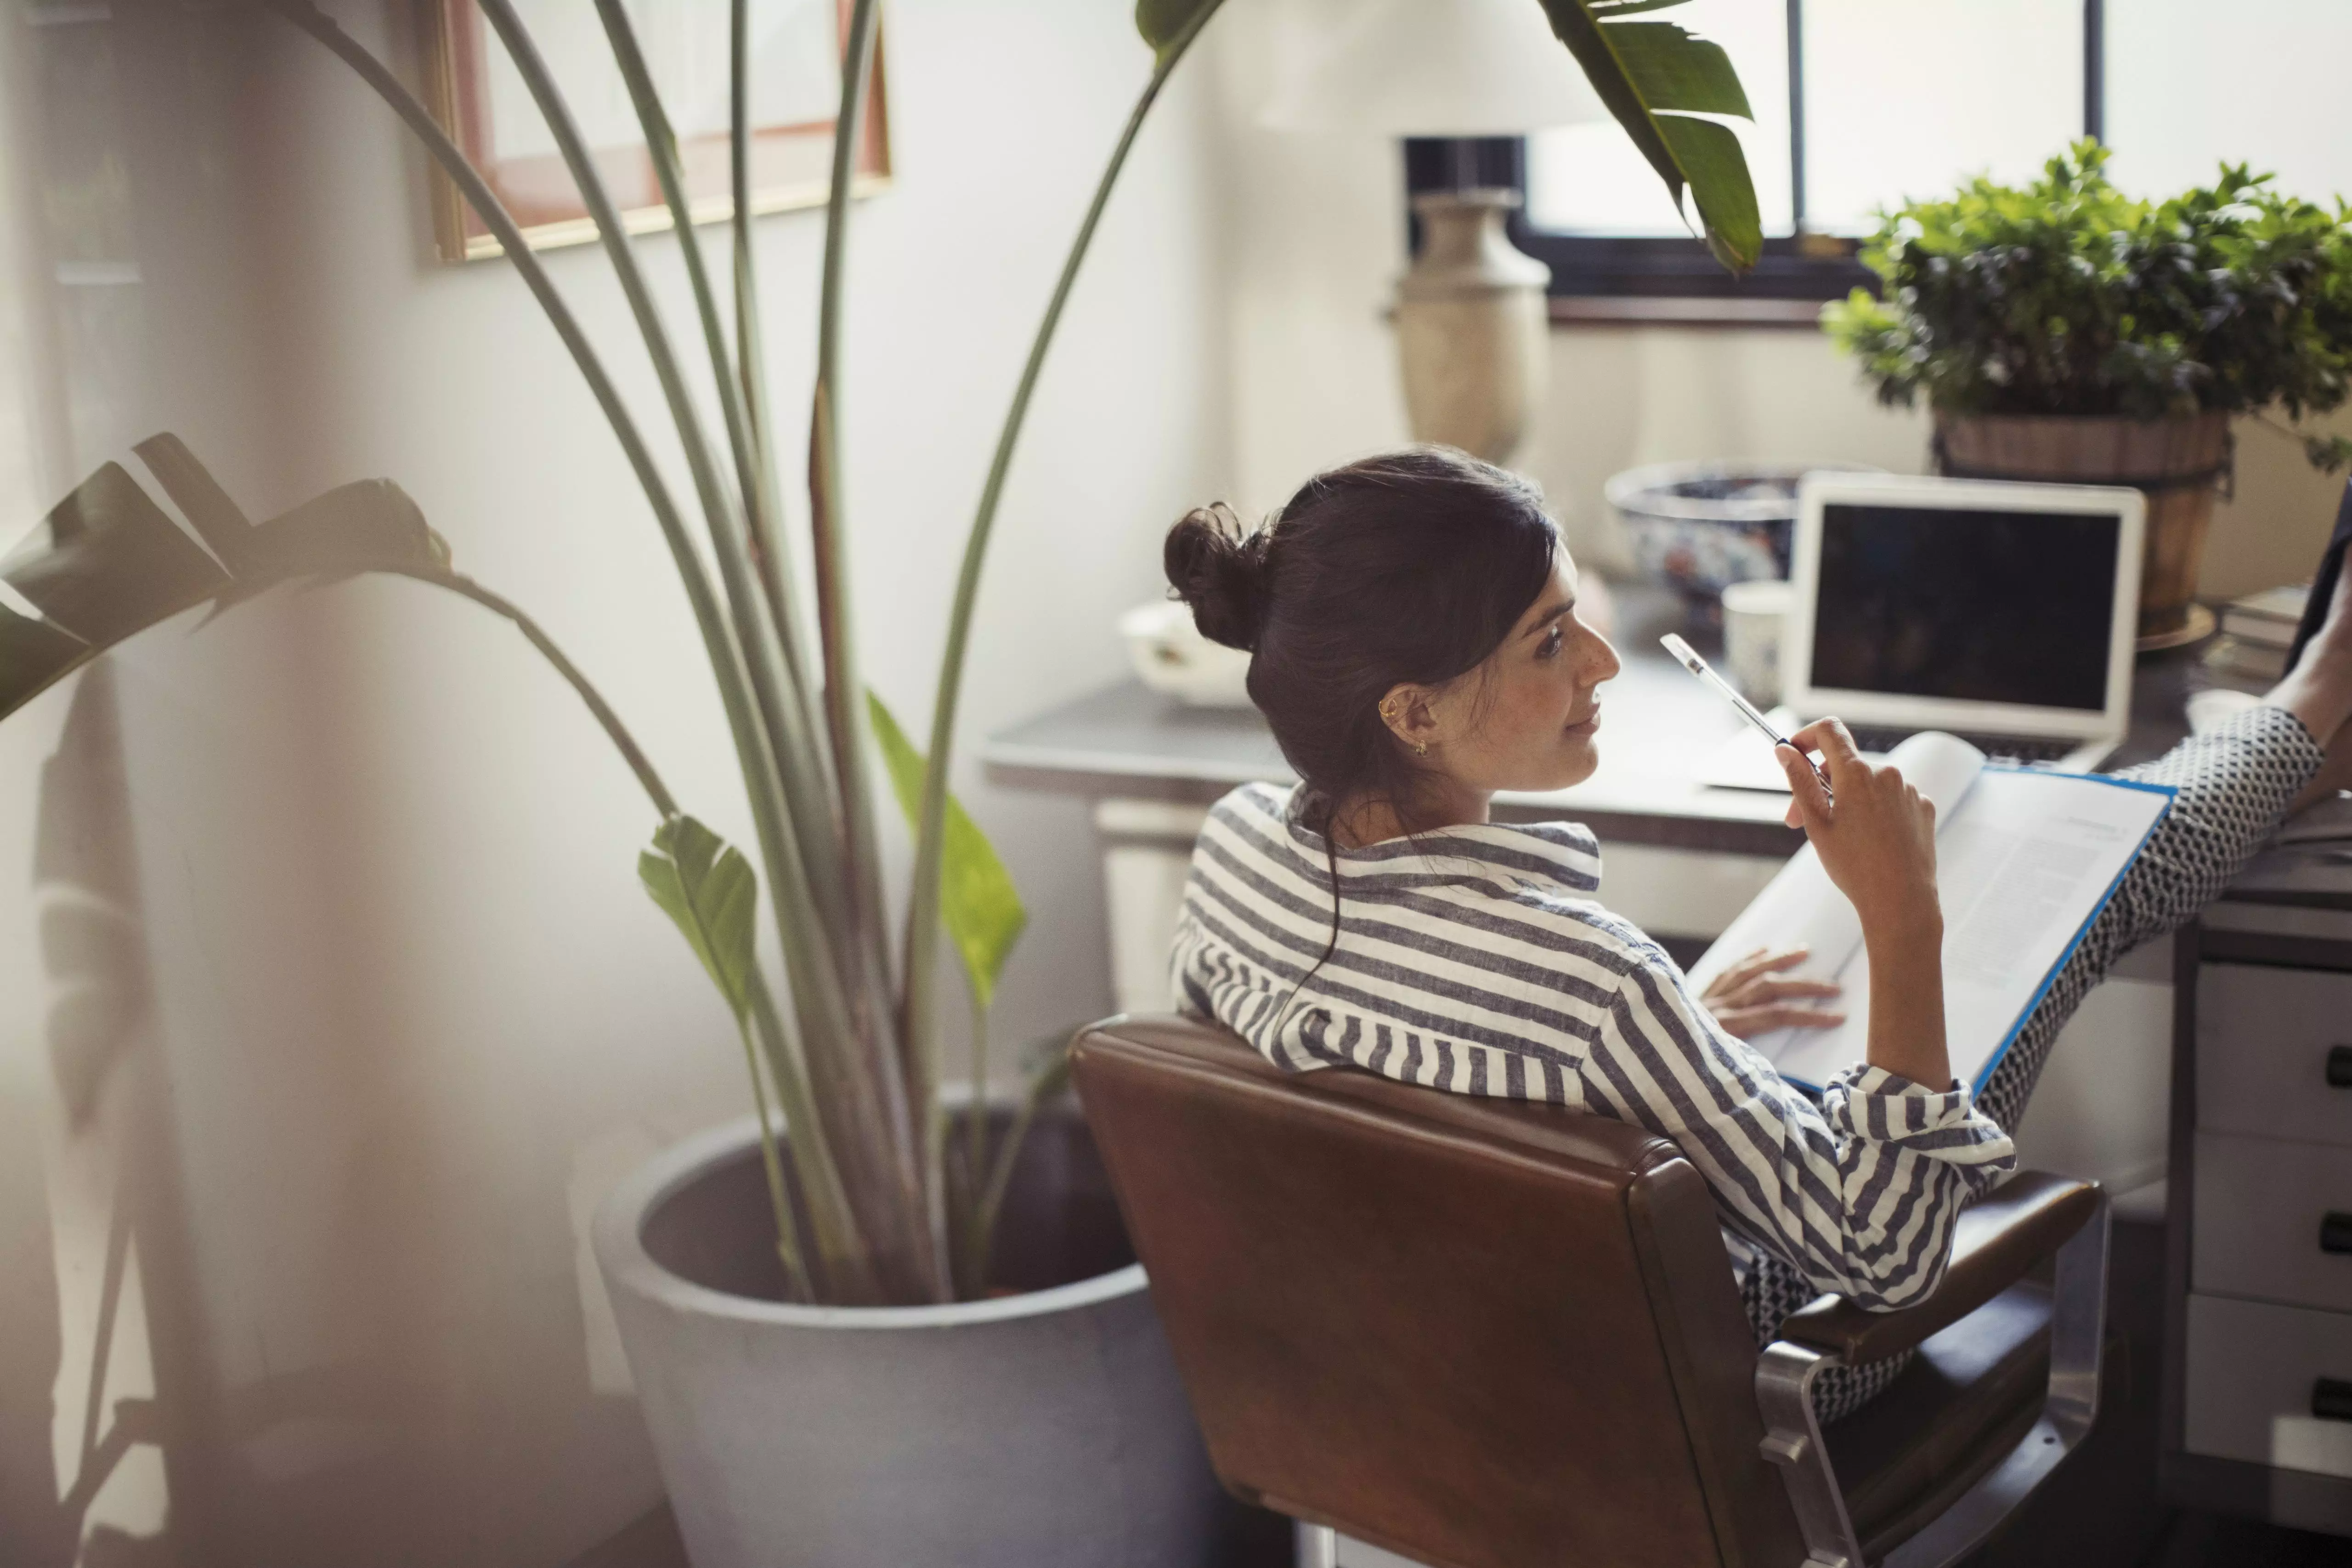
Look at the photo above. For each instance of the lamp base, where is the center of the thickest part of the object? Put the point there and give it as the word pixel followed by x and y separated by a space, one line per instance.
pixel 1472 328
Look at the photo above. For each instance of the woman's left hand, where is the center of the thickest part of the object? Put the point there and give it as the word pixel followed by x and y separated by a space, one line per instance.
pixel 1748 1001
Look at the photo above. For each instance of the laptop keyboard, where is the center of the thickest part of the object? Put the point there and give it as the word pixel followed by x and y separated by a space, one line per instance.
pixel 2003 748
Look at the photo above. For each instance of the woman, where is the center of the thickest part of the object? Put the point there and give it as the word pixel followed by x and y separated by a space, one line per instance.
pixel 1416 648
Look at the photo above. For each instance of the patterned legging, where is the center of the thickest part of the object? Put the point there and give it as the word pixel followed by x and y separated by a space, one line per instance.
pixel 2234 784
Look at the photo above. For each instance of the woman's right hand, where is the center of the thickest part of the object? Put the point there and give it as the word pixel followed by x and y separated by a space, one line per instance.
pixel 1877 842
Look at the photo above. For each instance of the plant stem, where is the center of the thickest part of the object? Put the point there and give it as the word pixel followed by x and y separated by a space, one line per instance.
pixel 920 1006
pixel 793 731
pixel 786 1248
pixel 843 691
pixel 622 740
pixel 725 663
pixel 876 1130
pixel 751 357
pixel 813 975
pixel 975 1145
pixel 848 1269
pixel 1042 1088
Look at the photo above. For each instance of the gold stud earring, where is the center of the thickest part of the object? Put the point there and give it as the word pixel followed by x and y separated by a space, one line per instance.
pixel 1421 750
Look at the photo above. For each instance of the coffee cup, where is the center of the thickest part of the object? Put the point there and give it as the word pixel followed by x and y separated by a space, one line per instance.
pixel 1753 613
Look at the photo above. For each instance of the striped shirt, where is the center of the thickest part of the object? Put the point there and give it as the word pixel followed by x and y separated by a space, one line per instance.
pixel 1473 959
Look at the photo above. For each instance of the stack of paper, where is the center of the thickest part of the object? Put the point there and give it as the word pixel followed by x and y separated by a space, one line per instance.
pixel 2025 859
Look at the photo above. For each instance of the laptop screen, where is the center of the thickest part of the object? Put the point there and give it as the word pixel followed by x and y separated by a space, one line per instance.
pixel 1980 606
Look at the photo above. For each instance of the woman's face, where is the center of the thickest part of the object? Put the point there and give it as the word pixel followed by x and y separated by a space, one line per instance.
pixel 1527 719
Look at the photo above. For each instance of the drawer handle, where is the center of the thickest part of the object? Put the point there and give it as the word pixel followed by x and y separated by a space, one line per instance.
pixel 2335 1232
pixel 2339 1067
pixel 2331 1399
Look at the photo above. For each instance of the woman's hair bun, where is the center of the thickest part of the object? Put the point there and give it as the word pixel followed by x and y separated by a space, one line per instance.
pixel 1220 571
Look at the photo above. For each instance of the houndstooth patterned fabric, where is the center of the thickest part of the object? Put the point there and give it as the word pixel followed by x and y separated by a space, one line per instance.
pixel 2235 783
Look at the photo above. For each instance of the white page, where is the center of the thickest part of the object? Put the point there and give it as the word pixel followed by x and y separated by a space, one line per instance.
pixel 1802 907
pixel 2021 868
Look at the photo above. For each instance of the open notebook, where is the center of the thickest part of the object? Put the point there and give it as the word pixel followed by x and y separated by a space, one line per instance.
pixel 2025 859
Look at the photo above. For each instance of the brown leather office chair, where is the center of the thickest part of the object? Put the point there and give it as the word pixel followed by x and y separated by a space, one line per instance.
pixel 1486 1334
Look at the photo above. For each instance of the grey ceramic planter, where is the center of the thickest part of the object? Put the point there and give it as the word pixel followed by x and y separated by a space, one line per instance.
pixel 1043 1430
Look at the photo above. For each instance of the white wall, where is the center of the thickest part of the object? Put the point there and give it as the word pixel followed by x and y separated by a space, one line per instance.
pixel 410 1012
pixel 1318 239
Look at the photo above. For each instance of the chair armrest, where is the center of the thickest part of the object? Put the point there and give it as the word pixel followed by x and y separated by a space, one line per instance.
pixel 1995 1243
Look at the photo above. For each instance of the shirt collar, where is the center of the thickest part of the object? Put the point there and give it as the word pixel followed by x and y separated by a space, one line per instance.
pixel 1551 856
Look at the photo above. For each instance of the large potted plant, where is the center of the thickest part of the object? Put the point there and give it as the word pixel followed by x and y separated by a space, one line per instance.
pixel 2063 331
pixel 871 1323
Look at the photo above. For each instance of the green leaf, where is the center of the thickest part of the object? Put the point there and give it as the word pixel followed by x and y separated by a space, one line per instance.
pixel 1673 71
pixel 107 562
pixel 707 888
pixel 33 654
pixel 1162 22
pixel 1711 152
pixel 219 521
pixel 353 528
pixel 977 902
pixel 1652 75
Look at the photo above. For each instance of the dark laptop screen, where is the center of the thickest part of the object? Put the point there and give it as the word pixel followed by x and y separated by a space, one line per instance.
pixel 1983 606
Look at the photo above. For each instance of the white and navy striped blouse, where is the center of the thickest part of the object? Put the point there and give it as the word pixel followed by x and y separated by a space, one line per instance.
pixel 1473 959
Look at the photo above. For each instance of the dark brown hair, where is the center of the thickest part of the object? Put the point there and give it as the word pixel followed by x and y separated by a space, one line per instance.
pixel 1409 567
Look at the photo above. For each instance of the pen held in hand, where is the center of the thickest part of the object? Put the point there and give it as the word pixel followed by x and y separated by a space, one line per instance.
pixel 1687 656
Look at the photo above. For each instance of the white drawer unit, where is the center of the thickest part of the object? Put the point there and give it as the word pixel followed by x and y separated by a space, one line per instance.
pixel 2257 1407
pixel 2270 1385
pixel 2274 1052
pixel 2275 1221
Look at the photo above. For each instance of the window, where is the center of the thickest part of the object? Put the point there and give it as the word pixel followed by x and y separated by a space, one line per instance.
pixel 1862 103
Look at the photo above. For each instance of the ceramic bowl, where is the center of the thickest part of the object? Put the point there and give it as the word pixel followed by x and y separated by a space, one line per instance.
pixel 1172 656
pixel 1700 527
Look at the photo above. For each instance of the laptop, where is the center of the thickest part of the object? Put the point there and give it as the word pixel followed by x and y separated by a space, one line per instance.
pixel 2004 614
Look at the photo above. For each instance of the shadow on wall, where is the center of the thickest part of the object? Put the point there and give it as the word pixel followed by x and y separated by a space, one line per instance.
pixel 163 1400
pixel 275 1287
pixel 117 1359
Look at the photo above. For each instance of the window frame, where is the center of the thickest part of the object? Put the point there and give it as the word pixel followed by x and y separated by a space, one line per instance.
pixel 1805 267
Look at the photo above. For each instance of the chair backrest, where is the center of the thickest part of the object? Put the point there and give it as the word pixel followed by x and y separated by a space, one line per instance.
pixel 1477 1332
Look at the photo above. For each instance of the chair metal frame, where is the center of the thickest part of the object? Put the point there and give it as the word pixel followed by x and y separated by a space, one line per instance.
pixel 1784 1381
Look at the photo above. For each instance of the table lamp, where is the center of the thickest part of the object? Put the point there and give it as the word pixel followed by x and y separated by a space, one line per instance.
pixel 1470 317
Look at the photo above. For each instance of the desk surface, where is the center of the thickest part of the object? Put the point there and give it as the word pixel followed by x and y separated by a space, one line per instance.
pixel 1658 728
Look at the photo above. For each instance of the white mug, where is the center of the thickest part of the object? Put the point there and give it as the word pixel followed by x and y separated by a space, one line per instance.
pixel 1753 612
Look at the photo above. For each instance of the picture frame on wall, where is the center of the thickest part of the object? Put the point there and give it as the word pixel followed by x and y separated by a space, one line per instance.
pixel 479 97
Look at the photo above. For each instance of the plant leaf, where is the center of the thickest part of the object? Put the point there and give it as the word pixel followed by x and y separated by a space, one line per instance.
pixel 1711 152
pixel 1673 70
pixel 352 527
pixel 708 889
pixel 977 902
pixel 219 521
pixel 1162 21
pixel 33 654
pixel 1652 75
pixel 107 563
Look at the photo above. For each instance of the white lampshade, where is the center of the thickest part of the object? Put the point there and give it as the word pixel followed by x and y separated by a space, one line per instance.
pixel 1438 67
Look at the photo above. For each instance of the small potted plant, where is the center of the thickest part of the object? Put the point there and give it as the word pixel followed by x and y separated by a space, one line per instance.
pixel 2062 331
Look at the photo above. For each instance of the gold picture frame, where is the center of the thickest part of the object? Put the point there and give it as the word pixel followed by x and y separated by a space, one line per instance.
pixel 472 92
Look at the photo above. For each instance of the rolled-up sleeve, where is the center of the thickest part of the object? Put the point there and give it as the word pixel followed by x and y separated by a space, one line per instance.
pixel 1858 1193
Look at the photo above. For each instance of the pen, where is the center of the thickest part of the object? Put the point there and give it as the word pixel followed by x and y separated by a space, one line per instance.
pixel 1687 656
